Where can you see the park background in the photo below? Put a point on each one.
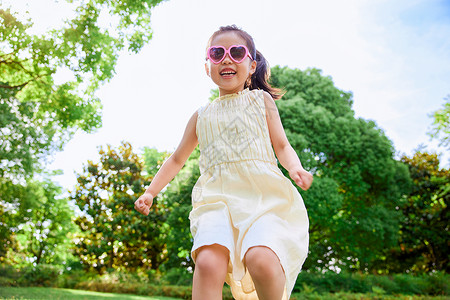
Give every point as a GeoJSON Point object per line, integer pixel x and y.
{"type": "Point", "coordinates": [367, 87]}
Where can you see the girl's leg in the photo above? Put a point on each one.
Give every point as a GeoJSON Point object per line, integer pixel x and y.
{"type": "Point", "coordinates": [209, 274]}
{"type": "Point", "coordinates": [267, 273]}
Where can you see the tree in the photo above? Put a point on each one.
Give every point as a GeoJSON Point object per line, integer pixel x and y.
{"type": "Point", "coordinates": [37, 115]}
{"type": "Point", "coordinates": [424, 233]}
{"type": "Point", "coordinates": [113, 234]}
{"type": "Point", "coordinates": [46, 114]}
{"type": "Point", "coordinates": [357, 184]}
{"type": "Point", "coordinates": [153, 160]}
{"type": "Point", "coordinates": [46, 234]}
{"type": "Point", "coordinates": [10, 218]}
{"type": "Point", "coordinates": [441, 123]}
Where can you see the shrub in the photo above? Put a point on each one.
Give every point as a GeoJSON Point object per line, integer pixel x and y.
{"type": "Point", "coordinates": [332, 283]}
{"type": "Point", "coordinates": [385, 283]}
{"type": "Point", "coordinates": [40, 275]}
{"type": "Point", "coordinates": [407, 284]}
{"type": "Point", "coordinates": [7, 282]}
{"type": "Point", "coordinates": [8, 275]}
{"type": "Point", "coordinates": [435, 284]}
{"type": "Point", "coordinates": [177, 276]}
{"type": "Point", "coordinates": [72, 278]}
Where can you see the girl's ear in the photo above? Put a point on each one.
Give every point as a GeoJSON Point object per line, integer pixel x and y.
{"type": "Point", "coordinates": [253, 67]}
{"type": "Point", "coordinates": [207, 69]}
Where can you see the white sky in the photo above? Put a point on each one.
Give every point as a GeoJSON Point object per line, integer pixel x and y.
{"type": "Point", "coordinates": [393, 55]}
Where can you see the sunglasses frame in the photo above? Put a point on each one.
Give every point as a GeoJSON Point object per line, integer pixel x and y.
{"type": "Point", "coordinates": [228, 51]}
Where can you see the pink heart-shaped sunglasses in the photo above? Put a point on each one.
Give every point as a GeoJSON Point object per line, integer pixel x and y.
{"type": "Point", "coordinates": [237, 53]}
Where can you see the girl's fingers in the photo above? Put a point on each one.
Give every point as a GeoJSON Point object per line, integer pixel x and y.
{"type": "Point", "coordinates": [141, 207]}
{"type": "Point", "coordinates": [302, 179]}
{"type": "Point", "coordinates": [139, 203]}
{"type": "Point", "coordinates": [307, 181]}
{"type": "Point", "coordinates": [297, 179]}
{"type": "Point", "coordinates": [148, 201]}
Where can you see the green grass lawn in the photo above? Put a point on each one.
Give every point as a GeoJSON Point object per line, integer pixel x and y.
{"type": "Point", "coordinates": [349, 296]}
{"type": "Point", "coordinates": [52, 293]}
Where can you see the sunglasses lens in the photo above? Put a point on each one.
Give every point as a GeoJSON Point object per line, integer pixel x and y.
{"type": "Point", "coordinates": [238, 53]}
{"type": "Point", "coordinates": [216, 54]}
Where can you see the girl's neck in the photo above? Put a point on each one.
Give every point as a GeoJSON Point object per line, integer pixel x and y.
{"type": "Point", "coordinates": [223, 92]}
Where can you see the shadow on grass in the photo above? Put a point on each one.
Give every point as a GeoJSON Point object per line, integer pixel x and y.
{"type": "Point", "coordinates": [53, 293]}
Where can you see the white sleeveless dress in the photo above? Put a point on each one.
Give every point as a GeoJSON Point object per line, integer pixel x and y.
{"type": "Point", "coordinates": [242, 199]}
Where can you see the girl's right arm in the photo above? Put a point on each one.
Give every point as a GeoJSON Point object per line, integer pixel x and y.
{"type": "Point", "coordinates": [170, 167]}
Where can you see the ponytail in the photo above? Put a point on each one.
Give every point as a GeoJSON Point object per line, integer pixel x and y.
{"type": "Point", "coordinates": [260, 79]}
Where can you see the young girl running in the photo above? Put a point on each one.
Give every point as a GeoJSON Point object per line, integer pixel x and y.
{"type": "Point", "coordinates": [249, 222]}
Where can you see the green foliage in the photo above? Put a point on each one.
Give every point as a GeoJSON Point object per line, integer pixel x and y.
{"type": "Point", "coordinates": [424, 233]}
{"type": "Point", "coordinates": [34, 108]}
{"type": "Point", "coordinates": [41, 275]}
{"type": "Point", "coordinates": [70, 279]}
{"type": "Point", "coordinates": [177, 276]}
{"type": "Point", "coordinates": [329, 282]}
{"type": "Point", "coordinates": [46, 233]}
{"type": "Point", "coordinates": [357, 184]}
{"type": "Point", "coordinates": [37, 114]}
{"type": "Point", "coordinates": [29, 275]}
{"type": "Point", "coordinates": [113, 235]}
{"type": "Point", "coordinates": [214, 94]}
{"type": "Point", "coordinates": [11, 195]}
{"type": "Point", "coordinates": [9, 275]}
{"type": "Point", "coordinates": [45, 219]}
{"type": "Point", "coordinates": [153, 160]}
{"type": "Point", "coordinates": [441, 123]}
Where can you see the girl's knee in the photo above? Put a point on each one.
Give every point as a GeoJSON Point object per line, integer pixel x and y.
{"type": "Point", "coordinates": [263, 262]}
{"type": "Point", "coordinates": [212, 260]}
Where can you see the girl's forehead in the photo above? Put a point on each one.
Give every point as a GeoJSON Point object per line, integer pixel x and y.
{"type": "Point", "coordinates": [227, 39]}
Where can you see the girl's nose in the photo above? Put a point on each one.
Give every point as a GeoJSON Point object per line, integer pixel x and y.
{"type": "Point", "coordinates": [227, 59]}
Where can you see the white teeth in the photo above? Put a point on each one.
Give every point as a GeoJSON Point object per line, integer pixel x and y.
{"type": "Point", "coordinates": [227, 73]}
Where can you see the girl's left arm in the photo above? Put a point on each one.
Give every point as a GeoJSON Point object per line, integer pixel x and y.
{"type": "Point", "coordinates": [283, 149]}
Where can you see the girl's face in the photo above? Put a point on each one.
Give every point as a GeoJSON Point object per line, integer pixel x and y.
{"type": "Point", "coordinates": [229, 76]}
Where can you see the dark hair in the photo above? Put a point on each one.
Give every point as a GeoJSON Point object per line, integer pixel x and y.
{"type": "Point", "coordinates": [259, 79]}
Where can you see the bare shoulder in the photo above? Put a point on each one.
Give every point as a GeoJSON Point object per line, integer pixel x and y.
{"type": "Point", "coordinates": [194, 116]}
{"type": "Point", "coordinates": [191, 127]}
{"type": "Point", "coordinates": [193, 120]}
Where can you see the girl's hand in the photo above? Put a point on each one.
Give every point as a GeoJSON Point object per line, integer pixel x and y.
{"type": "Point", "coordinates": [301, 177]}
{"type": "Point", "coordinates": [143, 204]}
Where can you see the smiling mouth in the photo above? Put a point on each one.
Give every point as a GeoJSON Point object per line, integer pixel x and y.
{"type": "Point", "coordinates": [228, 73]}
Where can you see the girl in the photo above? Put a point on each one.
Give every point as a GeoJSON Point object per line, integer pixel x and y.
{"type": "Point", "coordinates": [248, 221]}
